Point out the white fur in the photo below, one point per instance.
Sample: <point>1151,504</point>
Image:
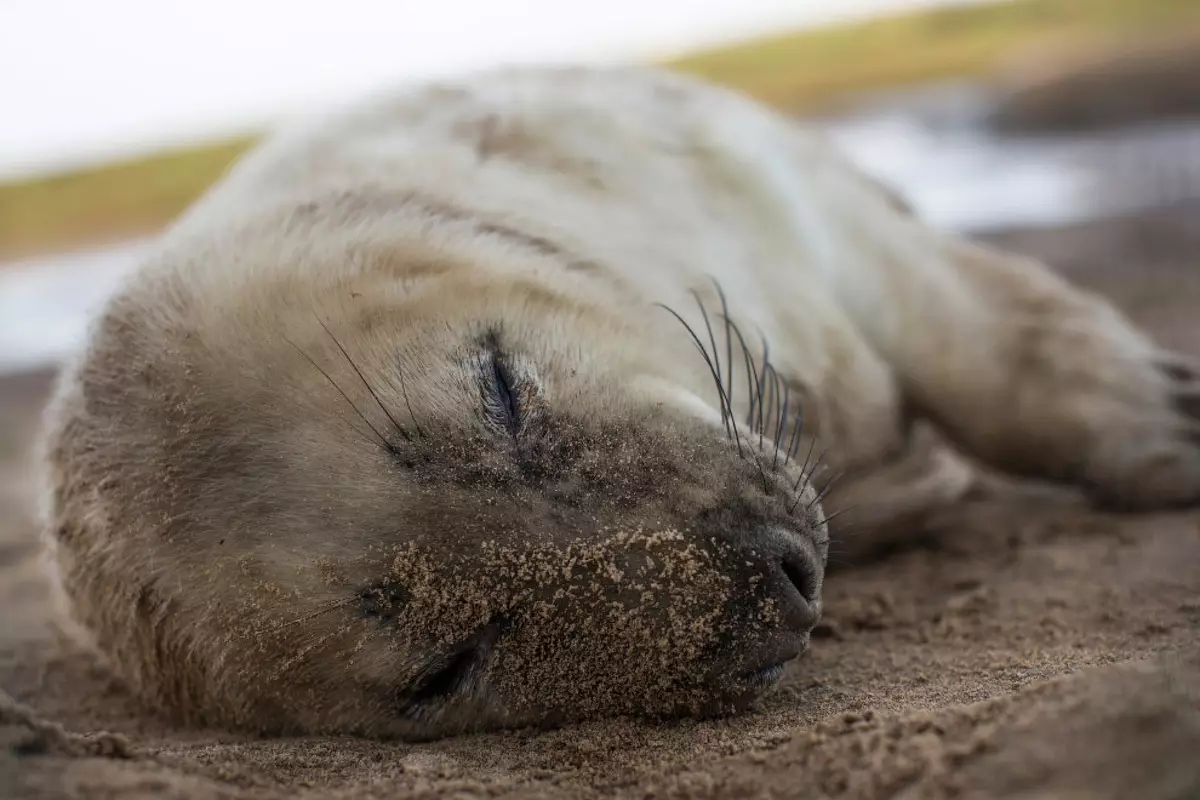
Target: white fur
<point>671,183</point>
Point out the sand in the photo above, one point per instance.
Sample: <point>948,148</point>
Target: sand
<point>1025,646</point>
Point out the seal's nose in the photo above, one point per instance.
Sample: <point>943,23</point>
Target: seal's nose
<point>793,574</point>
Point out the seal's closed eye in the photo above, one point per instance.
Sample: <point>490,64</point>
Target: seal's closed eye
<point>457,672</point>
<point>500,387</point>
<point>504,407</point>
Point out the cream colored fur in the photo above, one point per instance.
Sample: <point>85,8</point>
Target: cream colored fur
<point>670,184</point>
<point>569,203</point>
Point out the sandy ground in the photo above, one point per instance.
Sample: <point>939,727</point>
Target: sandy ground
<point>1025,647</point>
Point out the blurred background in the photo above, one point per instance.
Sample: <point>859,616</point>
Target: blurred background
<point>1008,120</point>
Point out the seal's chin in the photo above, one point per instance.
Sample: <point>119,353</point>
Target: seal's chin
<point>741,690</point>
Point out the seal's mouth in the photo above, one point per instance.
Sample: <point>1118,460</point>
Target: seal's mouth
<point>766,673</point>
<point>454,674</point>
<point>764,677</point>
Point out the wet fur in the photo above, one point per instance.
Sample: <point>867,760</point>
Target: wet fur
<point>504,380</point>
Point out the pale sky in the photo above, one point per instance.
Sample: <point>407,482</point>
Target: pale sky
<point>86,80</point>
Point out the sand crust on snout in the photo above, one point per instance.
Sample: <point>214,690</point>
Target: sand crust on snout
<point>1027,647</point>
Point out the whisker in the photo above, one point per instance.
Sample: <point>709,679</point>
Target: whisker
<point>780,385</point>
<point>388,446</point>
<point>755,393</point>
<point>367,384</point>
<point>794,444</point>
<point>839,512</point>
<point>762,380</point>
<point>750,371</point>
<point>367,438</point>
<point>298,656</point>
<point>827,489</point>
<point>716,361</point>
<point>762,474</point>
<point>816,467</point>
<point>728,342</point>
<point>779,399</point>
<point>712,369</point>
<point>804,473</point>
<point>404,391</point>
<point>728,355</point>
<point>770,398</point>
<point>323,610</point>
<point>806,478</point>
<point>763,409</point>
<point>780,394</point>
<point>779,424</point>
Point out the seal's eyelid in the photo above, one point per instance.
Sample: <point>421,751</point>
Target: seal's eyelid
<point>501,394</point>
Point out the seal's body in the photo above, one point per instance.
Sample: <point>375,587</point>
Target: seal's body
<point>498,402</point>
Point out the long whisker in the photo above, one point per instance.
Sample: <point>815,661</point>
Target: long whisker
<point>365,382</point>
<point>812,473</point>
<point>839,512</point>
<point>297,656</point>
<point>796,428</point>
<point>404,391</point>
<point>716,361</point>
<point>804,468</point>
<point>779,424</point>
<point>388,446</point>
<point>778,403</point>
<point>763,409</point>
<point>762,474</point>
<point>827,489</point>
<point>750,371</point>
<point>728,342</point>
<point>728,355</point>
<point>712,369</point>
<point>780,391</point>
<point>755,390</point>
<point>323,610</point>
<point>757,462</point>
<point>771,399</point>
<point>806,477</point>
<point>762,380</point>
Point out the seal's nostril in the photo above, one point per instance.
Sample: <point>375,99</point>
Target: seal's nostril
<point>802,574</point>
<point>788,574</point>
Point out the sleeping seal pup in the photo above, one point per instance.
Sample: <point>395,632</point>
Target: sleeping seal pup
<point>509,401</point>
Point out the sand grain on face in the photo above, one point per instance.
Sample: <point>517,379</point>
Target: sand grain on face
<point>1028,648</point>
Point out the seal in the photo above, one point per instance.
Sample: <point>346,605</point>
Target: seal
<point>509,401</point>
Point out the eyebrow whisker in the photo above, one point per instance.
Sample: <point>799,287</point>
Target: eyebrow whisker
<point>404,433</point>
<point>404,392</point>
<point>388,446</point>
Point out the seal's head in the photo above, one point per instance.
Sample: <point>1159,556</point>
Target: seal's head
<point>416,507</point>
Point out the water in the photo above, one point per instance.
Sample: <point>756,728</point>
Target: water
<point>961,176</point>
<point>45,303</point>
<point>932,148</point>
